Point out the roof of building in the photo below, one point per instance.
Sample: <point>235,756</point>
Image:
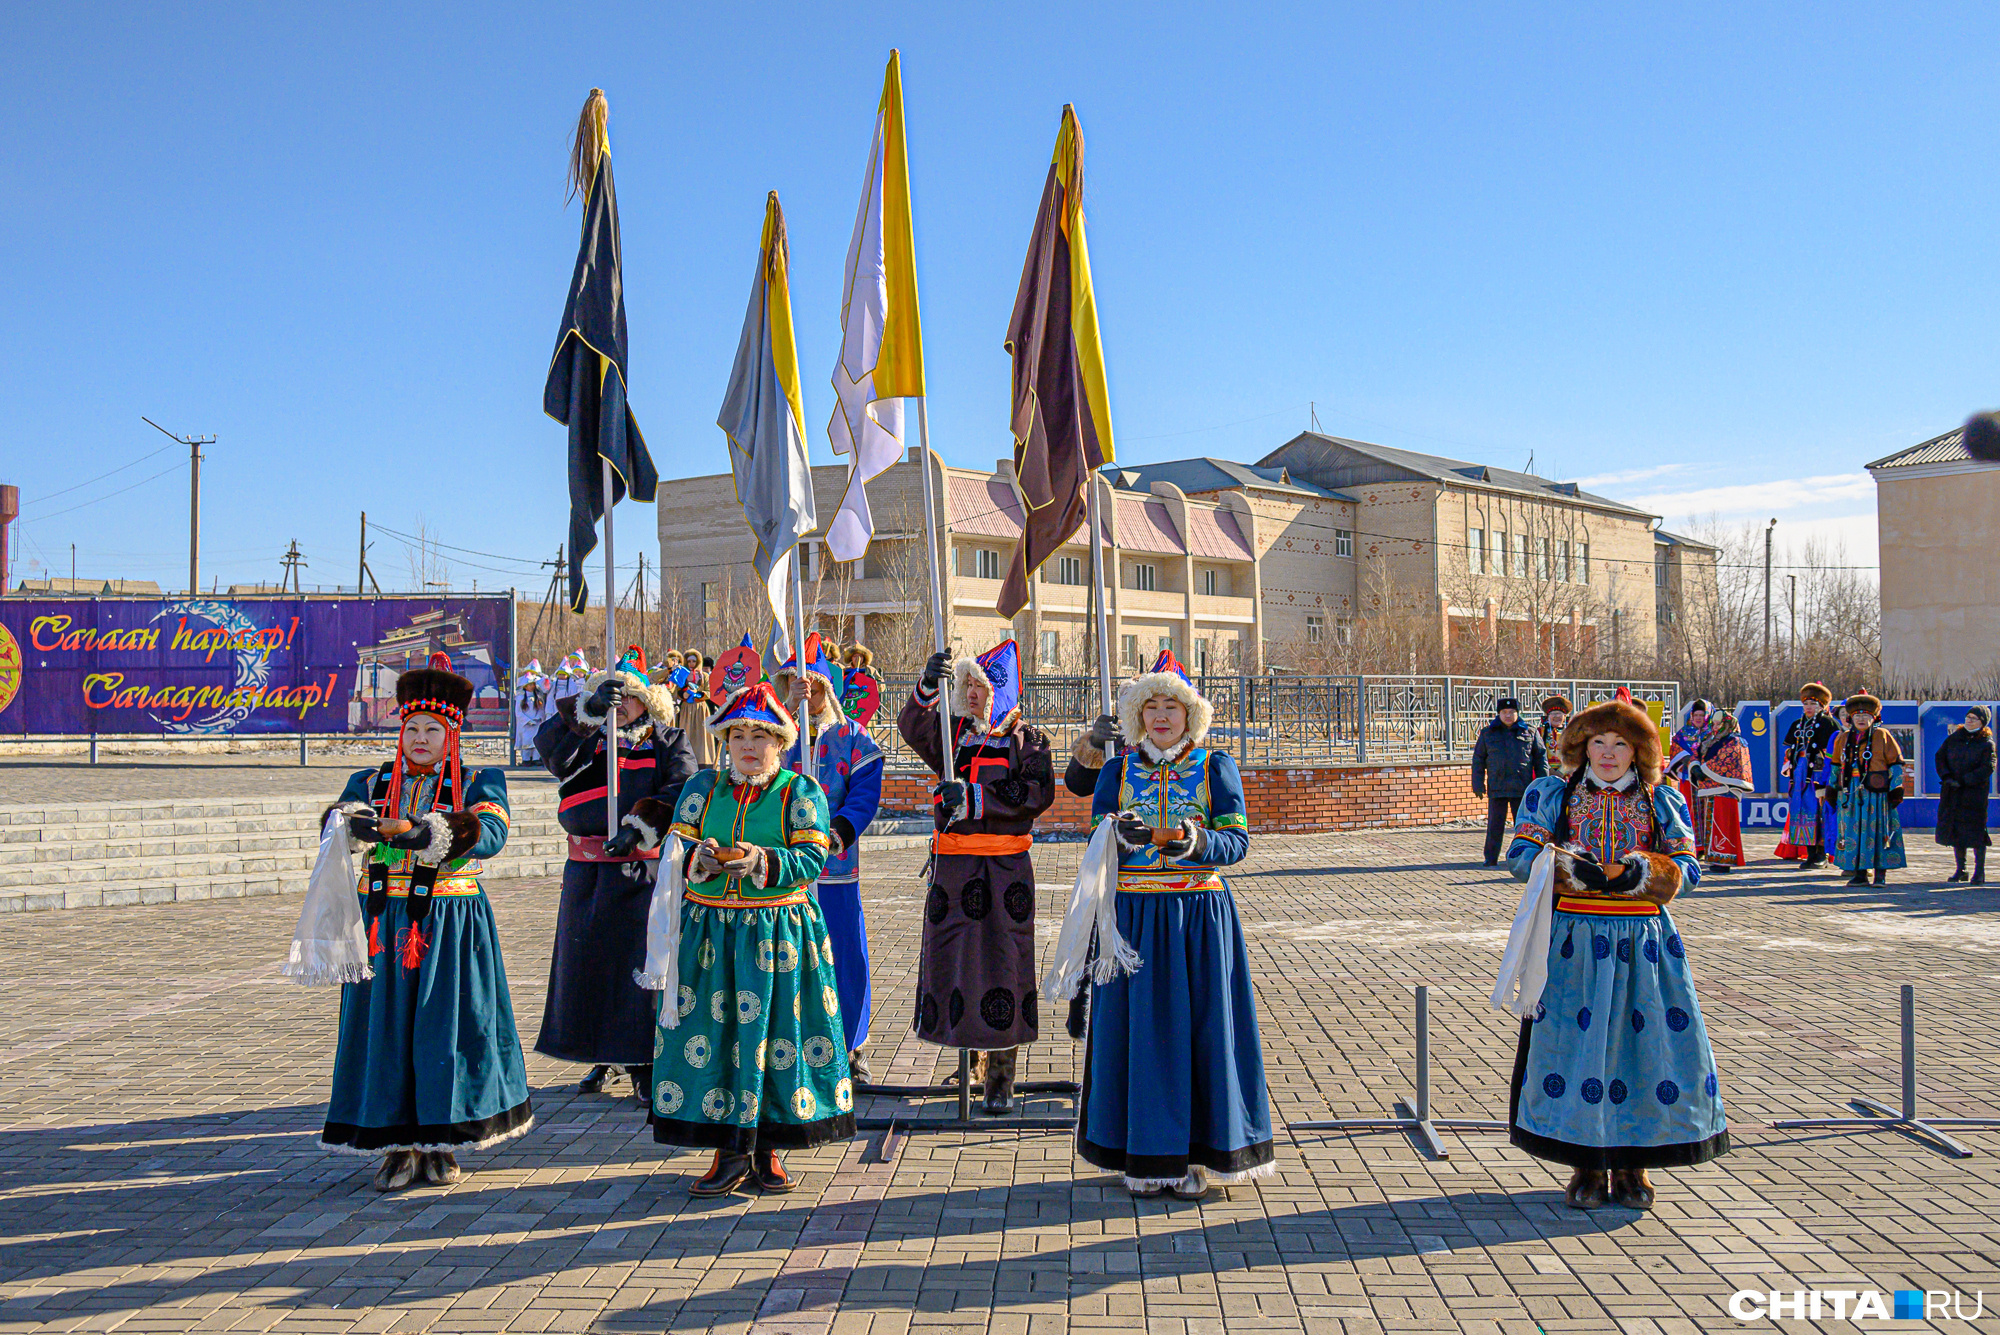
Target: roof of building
<point>985,506</point>
<point>1206,473</point>
<point>1335,461</point>
<point>86,587</point>
<point>1666,539</point>
<point>1140,525</point>
<point>1946,449</point>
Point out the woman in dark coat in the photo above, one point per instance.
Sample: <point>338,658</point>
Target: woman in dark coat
<point>594,1011</point>
<point>1964,767</point>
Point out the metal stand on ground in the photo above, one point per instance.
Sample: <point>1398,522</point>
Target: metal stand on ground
<point>904,1122</point>
<point>1417,1119</point>
<point>1884,1118</point>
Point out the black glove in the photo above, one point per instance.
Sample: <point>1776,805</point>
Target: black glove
<point>604,700</point>
<point>951,797</point>
<point>1103,729</point>
<point>843,834</point>
<point>416,837</point>
<point>1133,832</point>
<point>368,829</point>
<point>934,669</point>
<point>623,843</point>
<point>1183,846</point>
<point>1589,874</point>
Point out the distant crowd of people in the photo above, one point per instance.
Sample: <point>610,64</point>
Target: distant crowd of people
<point>1842,773</point>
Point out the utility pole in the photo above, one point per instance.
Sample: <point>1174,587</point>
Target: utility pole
<point>292,562</point>
<point>72,567</point>
<point>1767,589</point>
<point>194,444</point>
<point>363,576</point>
<point>1792,606</point>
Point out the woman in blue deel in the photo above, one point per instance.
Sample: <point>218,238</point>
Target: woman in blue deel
<point>1173,1090</point>
<point>1613,1074</point>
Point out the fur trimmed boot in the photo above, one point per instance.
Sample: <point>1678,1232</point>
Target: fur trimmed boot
<point>1000,1082</point>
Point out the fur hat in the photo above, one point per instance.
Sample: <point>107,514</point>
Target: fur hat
<point>867,654</point>
<point>1167,678</point>
<point>630,670</point>
<point>434,689</point>
<point>820,666</point>
<point>1000,666</point>
<point>1863,703</point>
<point>1628,721</point>
<point>757,705</point>
<point>1556,704</point>
<point>1506,702</point>
<point>1813,690</point>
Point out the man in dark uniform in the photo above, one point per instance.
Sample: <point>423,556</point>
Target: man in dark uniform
<point>1508,757</point>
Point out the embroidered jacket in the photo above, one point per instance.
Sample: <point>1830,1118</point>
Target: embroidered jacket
<point>652,762</point>
<point>785,816</point>
<point>1610,822</point>
<point>849,769</point>
<point>1010,778</point>
<point>478,826</point>
<point>1807,740</point>
<point>1199,787</point>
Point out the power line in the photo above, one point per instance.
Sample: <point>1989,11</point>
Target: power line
<point>109,494</point>
<point>100,477</point>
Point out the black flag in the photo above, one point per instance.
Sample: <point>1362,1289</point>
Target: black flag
<point>586,387</point>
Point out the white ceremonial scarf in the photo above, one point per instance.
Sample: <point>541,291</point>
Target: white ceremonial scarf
<point>1093,903</point>
<point>663,933</point>
<point>1524,969</point>
<point>330,944</point>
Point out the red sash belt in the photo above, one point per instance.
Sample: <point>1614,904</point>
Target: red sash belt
<point>981,845</point>
<point>590,848</point>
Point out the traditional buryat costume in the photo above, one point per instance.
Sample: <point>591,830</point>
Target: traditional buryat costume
<point>1867,785</point>
<point>749,1054</point>
<point>976,973</point>
<point>1555,717</point>
<point>1174,1071</point>
<point>429,1058</point>
<point>1682,746</point>
<point>1613,1069</point>
<point>1720,774</point>
<point>848,767</point>
<point>1806,770</point>
<point>594,1012</point>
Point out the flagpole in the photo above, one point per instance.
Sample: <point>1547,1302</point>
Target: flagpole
<point>1097,593</point>
<point>610,664</point>
<point>808,758</point>
<point>936,563</point>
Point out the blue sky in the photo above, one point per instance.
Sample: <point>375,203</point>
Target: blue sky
<point>1713,261</point>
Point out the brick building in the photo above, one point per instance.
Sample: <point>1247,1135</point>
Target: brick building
<point>1935,505</point>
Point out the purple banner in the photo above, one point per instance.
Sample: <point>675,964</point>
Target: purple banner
<point>206,667</point>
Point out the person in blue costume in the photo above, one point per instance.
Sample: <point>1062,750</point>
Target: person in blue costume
<point>1806,772</point>
<point>848,766</point>
<point>593,1012</point>
<point>1173,1093</point>
<point>1613,1074</point>
<point>429,1061</point>
<point>1867,785</point>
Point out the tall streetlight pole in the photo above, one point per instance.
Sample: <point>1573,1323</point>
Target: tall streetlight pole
<point>1767,589</point>
<point>194,444</point>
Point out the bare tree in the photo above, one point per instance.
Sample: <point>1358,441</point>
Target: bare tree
<point>428,569</point>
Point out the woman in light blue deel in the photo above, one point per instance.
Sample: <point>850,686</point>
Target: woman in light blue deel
<point>1613,1074</point>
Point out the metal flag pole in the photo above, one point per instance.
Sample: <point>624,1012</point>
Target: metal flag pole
<point>936,561</point>
<point>610,662</point>
<point>1097,597</point>
<point>809,760</point>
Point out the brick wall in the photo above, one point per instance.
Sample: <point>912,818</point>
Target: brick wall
<point>1338,797</point>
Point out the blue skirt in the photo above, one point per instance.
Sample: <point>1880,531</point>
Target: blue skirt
<point>847,929</point>
<point>429,1057</point>
<point>1615,1070</point>
<point>1870,835</point>
<point>1174,1072</point>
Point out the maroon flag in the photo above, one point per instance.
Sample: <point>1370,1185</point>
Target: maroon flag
<point>1062,412</point>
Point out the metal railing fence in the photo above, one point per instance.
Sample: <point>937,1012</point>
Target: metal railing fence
<point>1277,721</point>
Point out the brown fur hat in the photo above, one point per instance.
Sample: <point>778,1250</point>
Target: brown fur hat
<point>1813,690</point>
<point>1629,721</point>
<point>1556,704</point>
<point>1863,703</point>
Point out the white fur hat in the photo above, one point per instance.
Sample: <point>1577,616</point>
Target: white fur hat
<point>631,672</point>
<point>1169,680</point>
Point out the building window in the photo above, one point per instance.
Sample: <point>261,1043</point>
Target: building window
<point>1215,583</point>
<point>1520,556</point>
<point>1236,653</point>
<point>1201,658</point>
<point>1583,562</point>
<point>985,563</point>
<point>1144,576</point>
<point>1128,650</point>
<point>1660,571</point>
<point>711,601</point>
<point>1563,572</point>
<point>1166,644</point>
<point>1343,542</point>
<point>1315,629</point>
<point>1051,649</point>
<point>1069,570</point>
<point>1343,633</point>
<point>1501,550</point>
<point>1475,550</point>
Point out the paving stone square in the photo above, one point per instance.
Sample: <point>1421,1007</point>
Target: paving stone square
<point>161,1089</point>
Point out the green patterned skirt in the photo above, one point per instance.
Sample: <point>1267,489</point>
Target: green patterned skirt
<point>757,1060</point>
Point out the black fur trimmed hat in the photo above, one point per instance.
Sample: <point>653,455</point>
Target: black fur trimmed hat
<point>435,689</point>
